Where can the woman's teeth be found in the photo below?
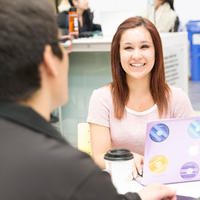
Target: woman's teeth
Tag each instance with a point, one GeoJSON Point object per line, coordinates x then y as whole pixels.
{"type": "Point", "coordinates": [137, 65]}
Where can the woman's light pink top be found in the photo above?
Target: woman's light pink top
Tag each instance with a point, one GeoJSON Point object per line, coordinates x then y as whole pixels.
{"type": "Point", "coordinates": [129, 132]}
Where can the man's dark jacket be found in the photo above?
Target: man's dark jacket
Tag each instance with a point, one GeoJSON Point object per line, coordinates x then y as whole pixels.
{"type": "Point", "coordinates": [36, 163]}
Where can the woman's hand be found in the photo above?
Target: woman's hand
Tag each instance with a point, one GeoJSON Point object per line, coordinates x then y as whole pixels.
{"type": "Point", "coordinates": [157, 192]}
{"type": "Point", "coordinates": [138, 161]}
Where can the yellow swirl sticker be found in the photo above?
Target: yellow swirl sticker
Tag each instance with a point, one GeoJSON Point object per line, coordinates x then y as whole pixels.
{"type": "Point", "coordinates": [158, 164]}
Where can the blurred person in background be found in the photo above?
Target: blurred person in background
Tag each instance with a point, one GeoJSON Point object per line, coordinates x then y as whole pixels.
{"type": "Point", "coordinates": [85, 17]}
{"type": "Point", "coordinates": [163, 15]}
{"type": "Point", "coordinates": [60, 5]}
{"type": "Point", "coordinates": [64, 5]}
{"type": "Point", "coordinates": [36, 161]}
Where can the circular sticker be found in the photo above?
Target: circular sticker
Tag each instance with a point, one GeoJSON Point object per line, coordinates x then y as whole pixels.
{"type": "Point", "coordinates": [194, 129]}
{"type": "Point", "coordinates": [189, 170]}
{"type": "Point", "coordinates": [158, 164]}
{"type": "Point", "coordinates": [159, 132]}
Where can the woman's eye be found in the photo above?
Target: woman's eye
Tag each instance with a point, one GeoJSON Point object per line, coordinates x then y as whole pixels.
{"type": "Point", "coordinates": [127, 48]}
{"type": "Point", "coordinates": [144, 46]}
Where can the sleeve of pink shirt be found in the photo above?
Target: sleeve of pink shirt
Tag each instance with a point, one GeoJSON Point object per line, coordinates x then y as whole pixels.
{"type": "Point", "coordinates": [99, 111]}
{"type": "Point", "coordinates": [180, 105]}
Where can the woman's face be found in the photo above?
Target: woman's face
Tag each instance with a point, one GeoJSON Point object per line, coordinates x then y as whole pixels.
{"type": "Point", "coordinates": [137, 53]}
{"type": "Point", "coordinates": [81, 4]}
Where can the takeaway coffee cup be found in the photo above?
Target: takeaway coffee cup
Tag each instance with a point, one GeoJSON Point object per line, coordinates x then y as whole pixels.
{"type": "Point", "coordinates": [119, 163]}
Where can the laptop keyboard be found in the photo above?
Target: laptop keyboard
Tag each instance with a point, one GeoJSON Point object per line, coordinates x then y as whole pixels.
{"type": "Point", "coordinates": [179, 197]}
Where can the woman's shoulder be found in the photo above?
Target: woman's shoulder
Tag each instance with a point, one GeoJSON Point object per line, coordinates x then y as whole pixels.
{"type": "Point", "coordinates": [104, 90]}
{"type": "Point", "coordinates": [102, 94]}
{"type": "Point", "coordinates": [180, 105]}
{"type": "Point", "coordinates": [176, 90]}
{"type": "Point", "coordinates": [100, 102]}
{"type": "Point", "coordinates": [177, 94]}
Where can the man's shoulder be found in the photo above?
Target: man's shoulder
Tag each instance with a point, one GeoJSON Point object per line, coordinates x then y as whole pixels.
{"type": "Point", "coordinates": [42, 164]}
{"type": "Point", "coordinates": [54, 160]}
{"type": "Point", "coordinates": [66, 166]}
{"type": "Point", "coordinates": [42, 149]}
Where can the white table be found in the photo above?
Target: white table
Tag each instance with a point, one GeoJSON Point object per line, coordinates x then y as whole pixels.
{"type": "Point", "coordinates": [191, 189]}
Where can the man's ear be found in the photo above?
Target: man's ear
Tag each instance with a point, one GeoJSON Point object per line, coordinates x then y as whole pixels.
{"type": "Point", "coordinates": [50, 60]}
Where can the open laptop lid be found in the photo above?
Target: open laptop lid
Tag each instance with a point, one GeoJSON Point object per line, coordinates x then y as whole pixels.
{"type": "Point", "coordinates": [172, 151]}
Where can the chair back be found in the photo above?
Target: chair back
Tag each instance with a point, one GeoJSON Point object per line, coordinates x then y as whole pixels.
{"type": "Point", "coordinates": [84, 140]}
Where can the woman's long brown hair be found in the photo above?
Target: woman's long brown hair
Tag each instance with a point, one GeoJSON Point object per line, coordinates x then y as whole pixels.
{"type": "Point", "coordinates": [159, 89]}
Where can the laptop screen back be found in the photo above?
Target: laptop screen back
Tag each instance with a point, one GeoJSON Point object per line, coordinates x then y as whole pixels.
{"type": "Point", "coordinates": [172, 151]}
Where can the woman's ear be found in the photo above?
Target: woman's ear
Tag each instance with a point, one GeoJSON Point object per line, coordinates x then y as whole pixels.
{"type": "Point", "coordinates": [49, 61]}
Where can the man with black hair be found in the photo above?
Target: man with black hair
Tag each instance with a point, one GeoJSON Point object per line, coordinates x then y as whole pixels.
{"type": "Point", "coordinates": [37, 163]}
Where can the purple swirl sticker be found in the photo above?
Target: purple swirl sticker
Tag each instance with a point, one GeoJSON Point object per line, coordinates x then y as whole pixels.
{"type": "Point", "coordinates": [189, 170]}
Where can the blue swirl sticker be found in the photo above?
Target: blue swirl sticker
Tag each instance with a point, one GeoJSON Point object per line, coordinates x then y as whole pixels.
{"type": "Point", "coordinates": [194, 129]}
{"type": "Point", "coordinates": [189, 170]}
{"type": "Point", "coordinates": [159, 132]}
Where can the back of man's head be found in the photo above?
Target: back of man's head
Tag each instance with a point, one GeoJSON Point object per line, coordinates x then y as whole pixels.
{"type": "Point", "coordinates": [26, 26]}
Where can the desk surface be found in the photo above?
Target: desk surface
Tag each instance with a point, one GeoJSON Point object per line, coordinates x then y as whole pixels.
{"type": "Point", "coordinates": [191, 189]}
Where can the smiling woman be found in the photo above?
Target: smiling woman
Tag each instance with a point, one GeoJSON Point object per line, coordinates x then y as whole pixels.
{"type": "Point", "coordinates": [119, 111]}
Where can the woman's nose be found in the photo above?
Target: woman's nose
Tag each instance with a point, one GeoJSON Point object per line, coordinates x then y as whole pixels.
{"type": "Point", "coordinates": [136, 54]}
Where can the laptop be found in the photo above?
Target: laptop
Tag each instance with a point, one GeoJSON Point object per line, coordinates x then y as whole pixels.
{"type": "Point", "coordinates": [172, 151]}
{"type": "Point", "coordinates": [180, 197]}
